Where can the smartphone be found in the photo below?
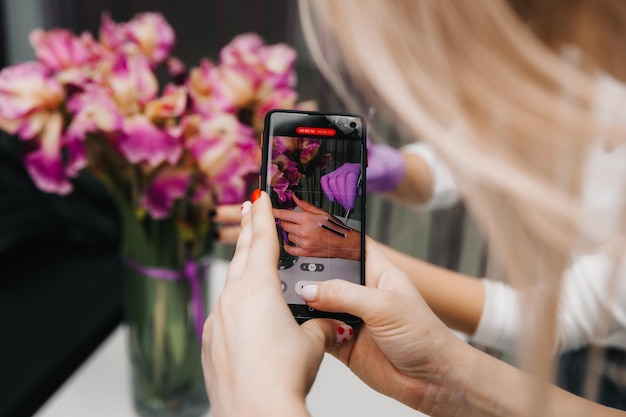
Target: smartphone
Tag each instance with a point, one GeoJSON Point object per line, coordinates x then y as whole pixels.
{"type": "Point", "coordinates": [313, 169]}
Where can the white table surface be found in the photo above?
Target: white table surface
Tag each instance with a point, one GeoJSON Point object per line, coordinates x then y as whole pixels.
{"type": "Point", "coordinates": [101, 386]}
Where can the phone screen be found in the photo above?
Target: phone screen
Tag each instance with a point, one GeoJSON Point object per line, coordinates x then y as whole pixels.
{"type": "Point", "coordinates": [313, 171]}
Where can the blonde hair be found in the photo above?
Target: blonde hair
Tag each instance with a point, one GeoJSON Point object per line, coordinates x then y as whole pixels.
{"type": "Point", "coordinates": [506, 93]}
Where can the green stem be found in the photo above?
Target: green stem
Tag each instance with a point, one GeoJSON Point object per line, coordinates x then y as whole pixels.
{"type": "Point", "coordinates": [160, 307]}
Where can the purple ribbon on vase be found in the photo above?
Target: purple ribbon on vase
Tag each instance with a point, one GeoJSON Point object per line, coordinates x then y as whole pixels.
{"type": "Point", "coordinates": [190, 273]}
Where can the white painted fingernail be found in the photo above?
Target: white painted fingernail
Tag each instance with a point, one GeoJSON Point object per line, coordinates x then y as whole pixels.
{"type": "Point", "coordinates": [309, 292]}
{"type": "Point", "coordinates": [344, 333]}
{"type": "Point", "coordinates": [245, 208]}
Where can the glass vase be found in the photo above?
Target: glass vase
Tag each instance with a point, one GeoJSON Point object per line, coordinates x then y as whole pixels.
{"type": "Point", "coordinates": [164, 340]}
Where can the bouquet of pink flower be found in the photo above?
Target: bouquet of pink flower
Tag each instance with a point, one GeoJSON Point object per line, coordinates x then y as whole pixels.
{"type": "Point", "coordinates": [96, 104]}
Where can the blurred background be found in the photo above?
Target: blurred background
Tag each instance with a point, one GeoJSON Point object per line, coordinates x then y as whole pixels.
{"type": "Point", "coordinates": [59, 277]}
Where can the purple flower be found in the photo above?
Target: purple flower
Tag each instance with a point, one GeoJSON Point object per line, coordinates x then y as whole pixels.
{"type": "Point", "coordinates": [166, 188]}
{"type": "Point", "coordinates": [310, 149]}
{"type": "Point", "coordinates": [289, 168]}
{"type": "Point", "coordinates": [27, 96]}
{"type": "Point", "coordinates": [280, 184]}
{"type": "Point", "coordinates": [142, 141]}
{"type": "Point", "coordinates": [283, 145]}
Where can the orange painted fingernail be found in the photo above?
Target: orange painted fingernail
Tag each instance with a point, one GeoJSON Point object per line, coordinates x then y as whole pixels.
{"type": "Point", "coordinates": [255, 195]}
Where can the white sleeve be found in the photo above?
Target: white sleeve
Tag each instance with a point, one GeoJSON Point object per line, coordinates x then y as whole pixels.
{"type": "Point", "coordinates": [591, 310]}
{"type": "Point", "coordinates": [445, 191]}
{"type": "Point", "coordinates": [593, 304]}
{"type": "Point", "coordinates": [499, 324]}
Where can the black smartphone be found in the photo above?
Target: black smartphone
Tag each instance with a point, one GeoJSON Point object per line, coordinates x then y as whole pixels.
{"type": "Point", "coordinates": [313, 169]}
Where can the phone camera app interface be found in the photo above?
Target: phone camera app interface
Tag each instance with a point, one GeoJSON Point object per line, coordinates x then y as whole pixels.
{"type": "Point", "coordinates": [316, 187]}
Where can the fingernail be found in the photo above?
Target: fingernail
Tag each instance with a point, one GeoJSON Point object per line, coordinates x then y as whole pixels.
{"type": "Point", "coordinates": [212, 213]}
{"type": "Point", "coordinates": [344, 333]}
{"type": "Point", "coordinates": [255, 195]}
{"type": "Point", "coordinates": [309, 292]}
{"type": "Point", "coordinates": [245, 208]}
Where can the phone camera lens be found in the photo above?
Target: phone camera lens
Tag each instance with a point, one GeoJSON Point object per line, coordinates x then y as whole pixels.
{"type": "Point", "coordinates": [352, 125]}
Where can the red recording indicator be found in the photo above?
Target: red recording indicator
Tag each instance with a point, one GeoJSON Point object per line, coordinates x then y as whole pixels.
{"type": "Point", "coordinates": [317, 131]}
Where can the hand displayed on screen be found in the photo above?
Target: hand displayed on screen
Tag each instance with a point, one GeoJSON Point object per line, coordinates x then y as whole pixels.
{"type": "Point", "coordinates": [341, 185]}
{"type": "Point", "coordinates": [316, 233]}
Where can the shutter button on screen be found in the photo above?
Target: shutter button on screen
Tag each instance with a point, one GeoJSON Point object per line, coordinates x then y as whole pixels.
{"type": "Point", "coordinates": [311, 267]}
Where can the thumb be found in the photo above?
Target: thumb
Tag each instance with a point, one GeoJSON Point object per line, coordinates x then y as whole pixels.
{"type": "Point", "coordinates": [327, 332]}
{"type": "Point", "coordinates": [340, 296]}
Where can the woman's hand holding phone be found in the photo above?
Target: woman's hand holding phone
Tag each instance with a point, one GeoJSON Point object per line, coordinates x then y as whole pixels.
{"type": "Point", "coordinates": [256, 359]}
{"type": "Point", "coordinates": [402, 349]}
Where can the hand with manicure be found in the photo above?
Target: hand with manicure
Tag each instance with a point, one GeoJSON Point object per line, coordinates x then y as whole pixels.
{"type": "Point", "coordinates": [314, 232]}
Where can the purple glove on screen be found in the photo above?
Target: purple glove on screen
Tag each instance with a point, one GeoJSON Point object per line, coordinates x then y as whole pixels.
{"type": "Point", "coordinates": [341, 184]}
{"type": "Point", "coordinates": [385, 168]}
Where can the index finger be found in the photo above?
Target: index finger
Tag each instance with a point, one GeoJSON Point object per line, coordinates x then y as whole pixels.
{"type": "Point", "coordinates": [263, 254]}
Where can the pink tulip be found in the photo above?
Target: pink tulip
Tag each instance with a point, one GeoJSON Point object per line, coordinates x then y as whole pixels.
{"type": "Point", "coordinates": [206, 90]}
{"type": "Point", "coordinates": [230, 184]}
{"type": "Point", "coordinates": [27, 95]}
{"type": "Point", "coordinates": [142, 141]}
{"type": "Point", "coordinates": [231, 188]}
{"type": "Point", "coordinates": [148, 34]}
{"type": "Point", "coordinates": [252, 70]}
{"type": "Point", "coordinates": [219, 139]}
{"type": "Point", "coordinates": [278, 99]}
{"type": "Point", "coordinates": [172, 103]}
{"type": "Point", "coordinates": [166, 188]}
{"type": "Point", "coordinates": [235, 88]}
{"type": "Point", "coordinates": [94, 111]}
{"type": "Point", "coordinates": [152, 34]}
{"type": "Point", "coordinates": [59, 49]}
{"type": "Point", "coordinates": [133, 82]}
{"type": "Point", "coordinates": [45, 165]}
{"type": "Point", "coordinates": [112, 35]}
{"type": "Point", "coordinates": [279, 61]}
{"type": "Point", "coordinates": [242, 51]}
